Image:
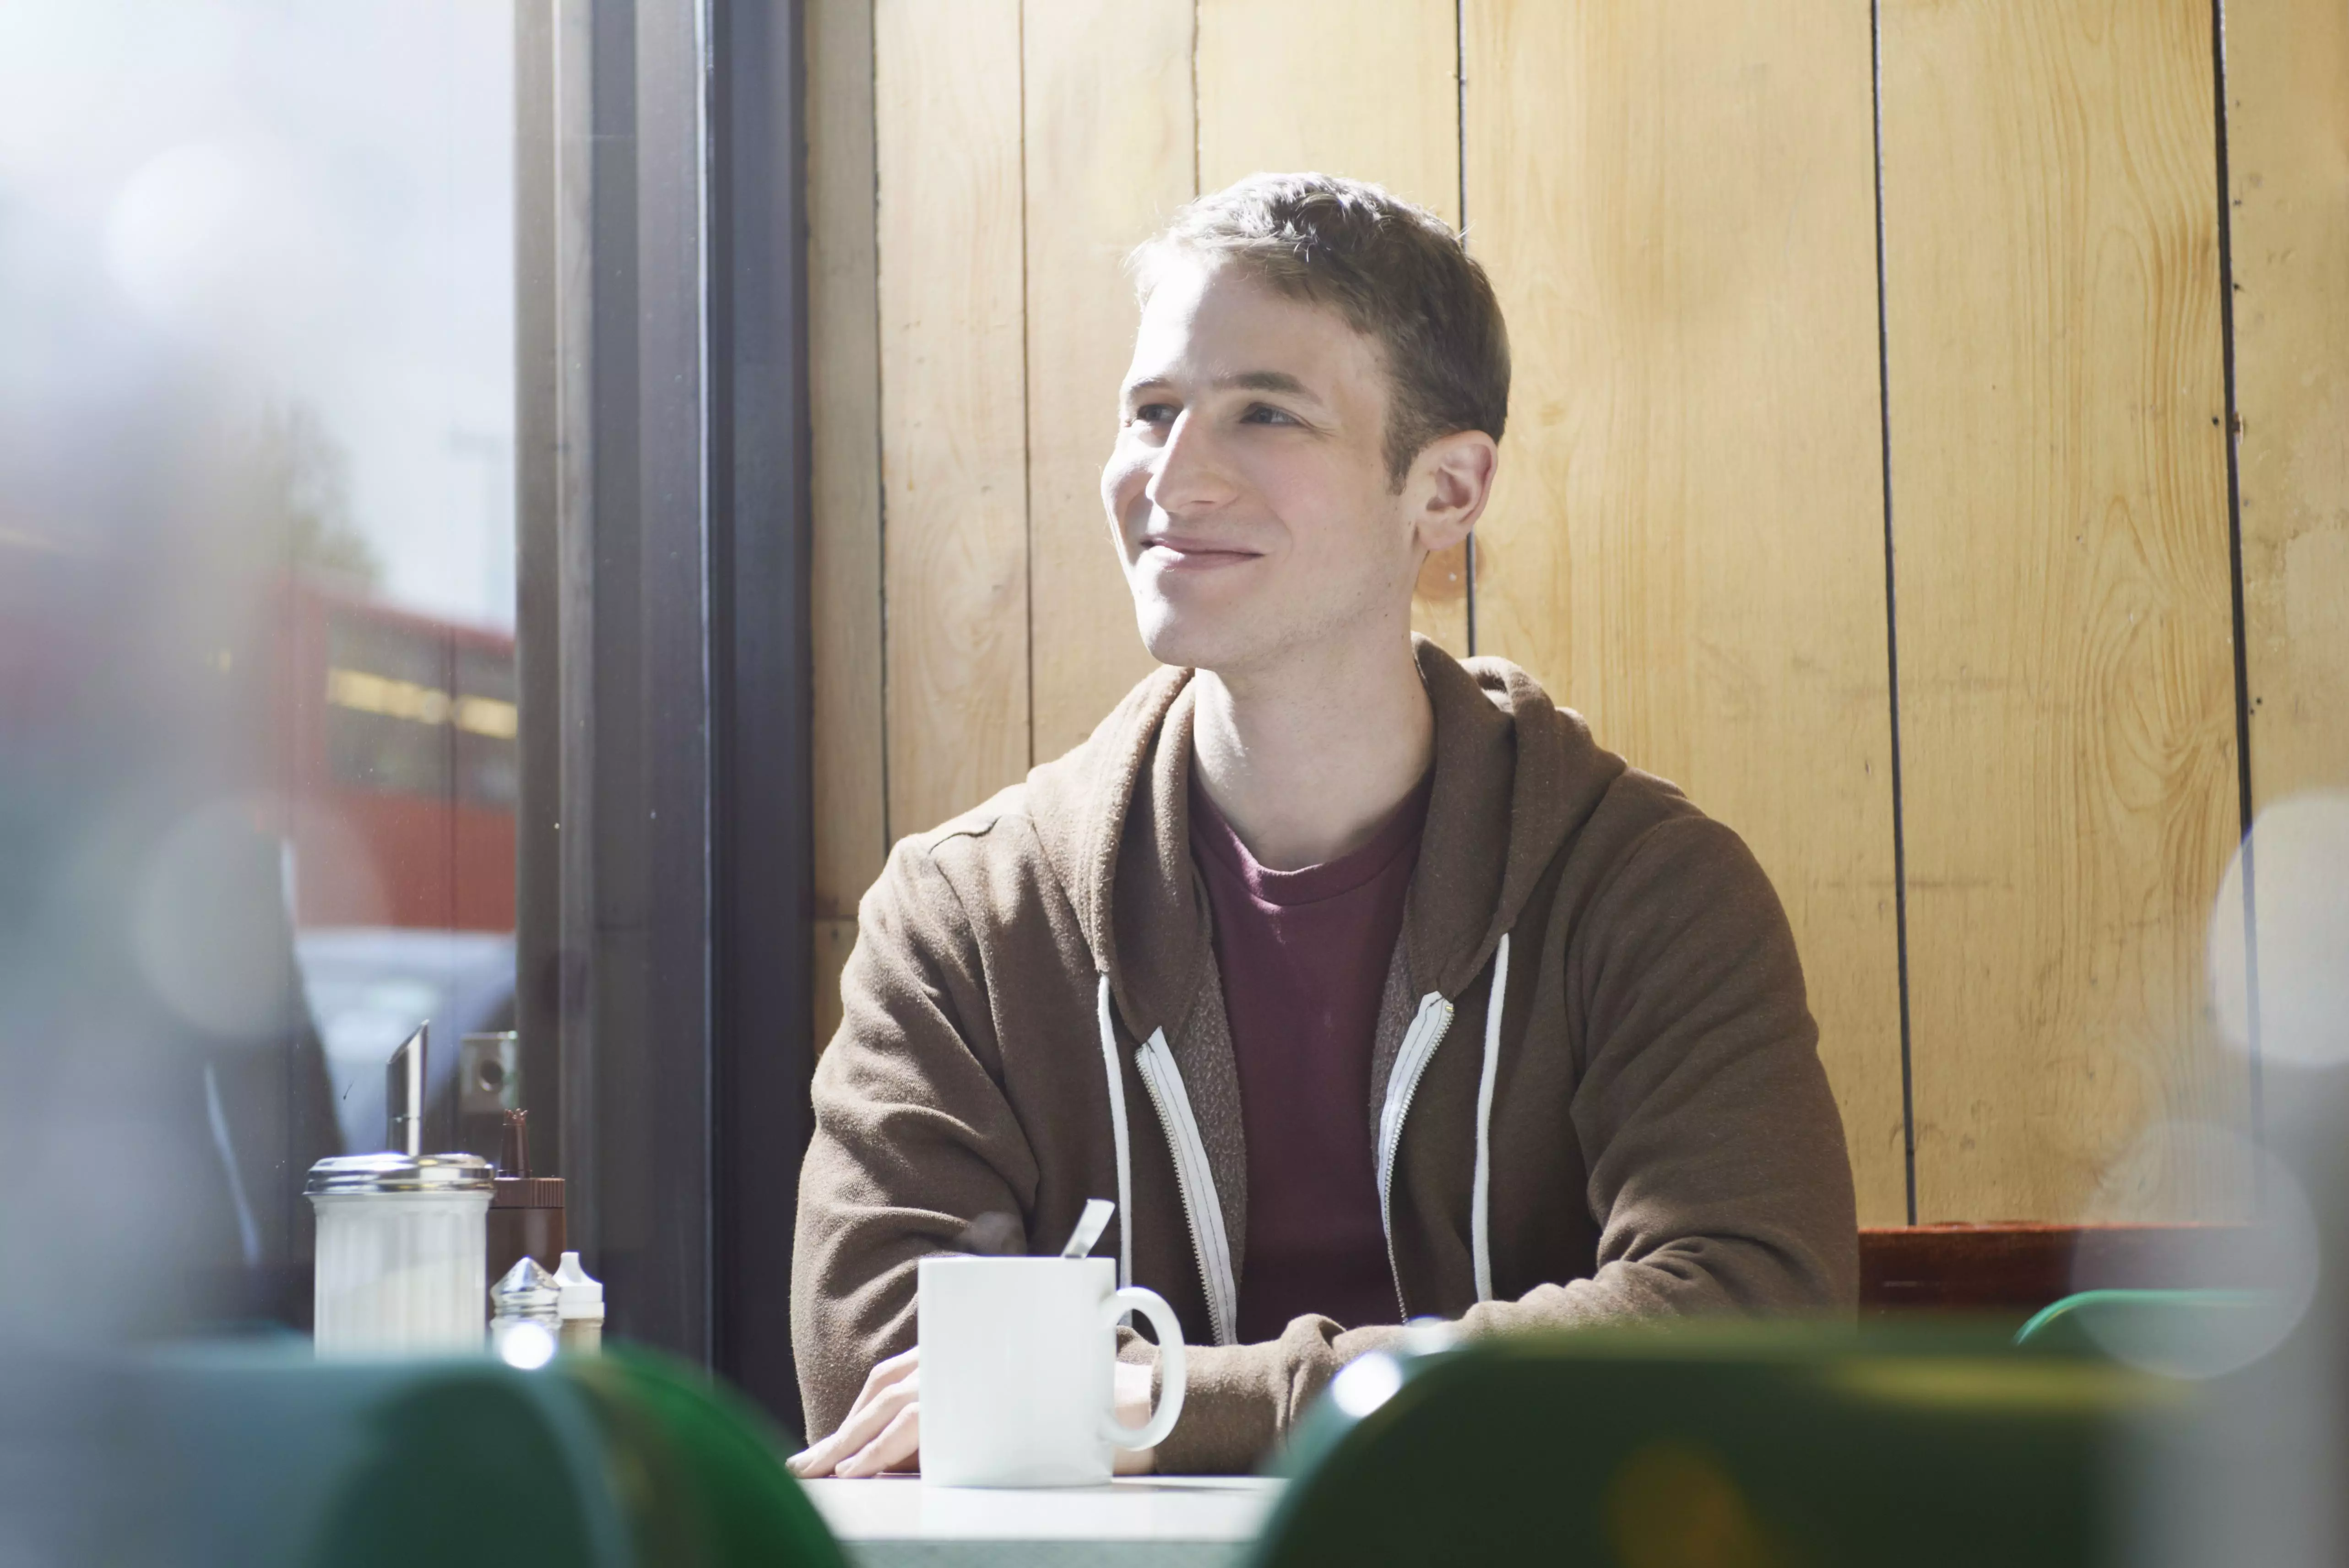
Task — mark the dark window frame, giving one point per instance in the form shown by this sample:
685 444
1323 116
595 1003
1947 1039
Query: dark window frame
665 835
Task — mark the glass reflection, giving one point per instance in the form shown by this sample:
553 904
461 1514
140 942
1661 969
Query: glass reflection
256 622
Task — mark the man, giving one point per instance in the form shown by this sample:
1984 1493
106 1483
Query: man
1366 983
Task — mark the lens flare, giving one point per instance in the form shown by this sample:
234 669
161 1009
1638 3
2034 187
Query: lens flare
1365 1384
2285 991
527 1346
2264 1260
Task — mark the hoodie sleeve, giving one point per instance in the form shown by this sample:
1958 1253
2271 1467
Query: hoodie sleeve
1718 1173
913 1137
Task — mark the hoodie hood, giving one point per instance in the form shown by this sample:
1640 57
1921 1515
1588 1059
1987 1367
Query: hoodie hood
1515 775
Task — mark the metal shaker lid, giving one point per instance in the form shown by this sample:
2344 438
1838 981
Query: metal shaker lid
345 1174
527 1287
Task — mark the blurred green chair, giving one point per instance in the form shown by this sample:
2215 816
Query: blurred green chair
704 1472
1712 1447
2187 1332
266 1458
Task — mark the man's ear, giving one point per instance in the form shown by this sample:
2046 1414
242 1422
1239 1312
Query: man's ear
1449 481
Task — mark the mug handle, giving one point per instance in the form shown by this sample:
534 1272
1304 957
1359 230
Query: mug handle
1152 1305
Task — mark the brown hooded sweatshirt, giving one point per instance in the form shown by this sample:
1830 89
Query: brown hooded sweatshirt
1636 1126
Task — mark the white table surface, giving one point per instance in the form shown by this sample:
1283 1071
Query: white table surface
1143 1521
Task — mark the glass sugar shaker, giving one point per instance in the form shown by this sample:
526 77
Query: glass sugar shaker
401 1235
401 1251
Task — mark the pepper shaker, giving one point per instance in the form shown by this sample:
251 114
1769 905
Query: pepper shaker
525 1211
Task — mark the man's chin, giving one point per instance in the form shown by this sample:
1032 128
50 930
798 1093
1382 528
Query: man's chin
1191 637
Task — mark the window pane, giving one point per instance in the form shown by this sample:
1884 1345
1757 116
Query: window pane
256 599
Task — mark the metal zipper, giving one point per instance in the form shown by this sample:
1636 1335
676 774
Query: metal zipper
1202 1210
1428 1027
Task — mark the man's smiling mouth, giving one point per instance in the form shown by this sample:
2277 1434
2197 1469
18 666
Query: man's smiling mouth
1176 551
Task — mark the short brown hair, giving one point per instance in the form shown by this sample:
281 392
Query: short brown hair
1395 271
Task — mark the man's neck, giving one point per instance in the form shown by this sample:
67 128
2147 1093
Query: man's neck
1307 761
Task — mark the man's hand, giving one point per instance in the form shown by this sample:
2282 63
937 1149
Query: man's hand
884 1428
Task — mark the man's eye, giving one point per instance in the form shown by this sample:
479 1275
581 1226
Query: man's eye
1153 414
1265 414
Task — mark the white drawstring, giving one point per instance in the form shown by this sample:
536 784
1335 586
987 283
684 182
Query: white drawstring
1117 1130
1481 1206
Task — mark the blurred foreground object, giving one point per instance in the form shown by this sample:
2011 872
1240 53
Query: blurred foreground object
2259 1476
2284 994
259 1458
1718 1444
2177 1333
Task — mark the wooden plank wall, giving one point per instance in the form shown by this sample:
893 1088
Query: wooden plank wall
1260 112
1688 539
2058 407
1868 471
1111 151
851 833
2288 167
954 389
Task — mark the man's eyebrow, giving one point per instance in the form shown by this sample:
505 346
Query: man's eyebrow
1244 380
1266 381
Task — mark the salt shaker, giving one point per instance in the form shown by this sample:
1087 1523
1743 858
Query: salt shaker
523 1316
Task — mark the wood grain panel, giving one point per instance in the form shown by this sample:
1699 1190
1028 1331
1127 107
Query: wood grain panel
1676 205
2060 529
1109 153
953 386
844 379
1286 84
2287 151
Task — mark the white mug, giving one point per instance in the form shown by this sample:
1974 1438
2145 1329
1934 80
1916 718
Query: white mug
1018 1370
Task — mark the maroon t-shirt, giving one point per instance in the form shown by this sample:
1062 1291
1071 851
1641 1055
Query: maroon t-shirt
1304 956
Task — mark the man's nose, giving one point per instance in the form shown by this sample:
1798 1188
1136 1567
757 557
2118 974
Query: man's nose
1188 474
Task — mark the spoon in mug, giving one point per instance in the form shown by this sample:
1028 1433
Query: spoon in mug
1090 1226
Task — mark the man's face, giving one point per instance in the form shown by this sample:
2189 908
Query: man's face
1248 485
